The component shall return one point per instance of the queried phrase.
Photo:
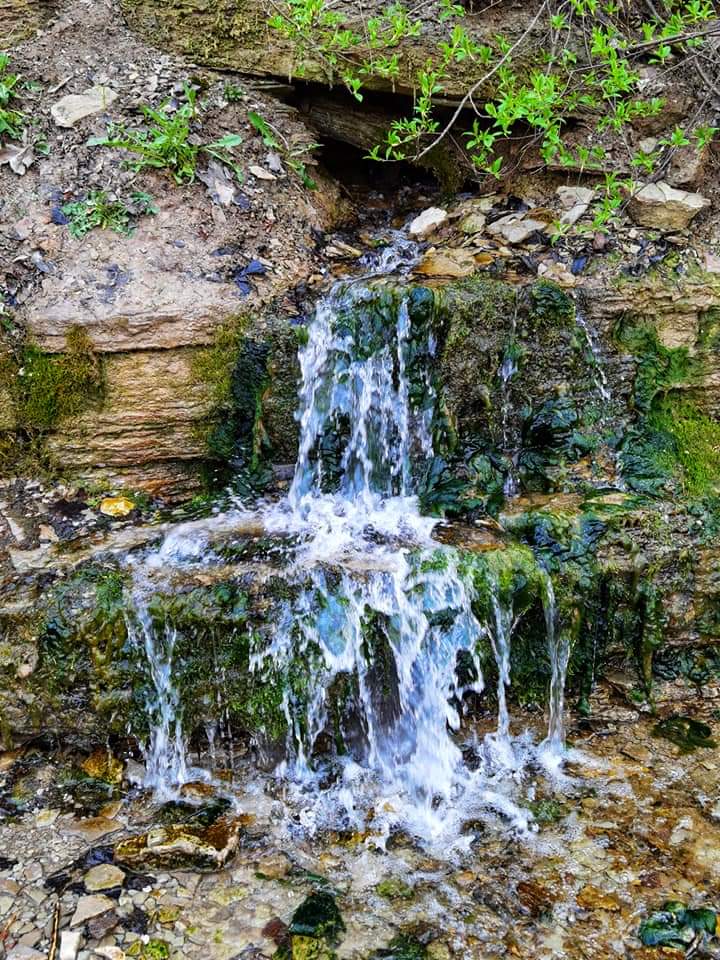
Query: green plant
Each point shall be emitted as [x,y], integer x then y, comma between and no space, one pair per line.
[97,210]
[569,62]
[168,142]
[11,120]
[294,156]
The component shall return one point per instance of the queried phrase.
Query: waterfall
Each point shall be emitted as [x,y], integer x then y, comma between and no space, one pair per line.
[376,601]
[165,752]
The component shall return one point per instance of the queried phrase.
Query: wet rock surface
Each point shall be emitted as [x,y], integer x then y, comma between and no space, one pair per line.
[629,830]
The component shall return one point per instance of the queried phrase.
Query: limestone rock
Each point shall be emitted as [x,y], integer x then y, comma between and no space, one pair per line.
[101,764]
[660,206]
[92,828]
[183,844]
[473,223]
[104,876]
[116,507]
[75,107]
[89,907]
[449,262]
[25,953]
[70,941]
[571,196]
[427,222]
[575,201]
[516,228]
[151,423]
[274,865]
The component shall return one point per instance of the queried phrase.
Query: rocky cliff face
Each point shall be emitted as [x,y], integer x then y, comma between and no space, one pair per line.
[578,382]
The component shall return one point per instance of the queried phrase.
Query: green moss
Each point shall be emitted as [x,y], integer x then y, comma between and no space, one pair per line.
[53,387]
[551,306]
[693,447]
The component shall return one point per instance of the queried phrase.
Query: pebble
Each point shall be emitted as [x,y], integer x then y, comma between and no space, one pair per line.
[70,941]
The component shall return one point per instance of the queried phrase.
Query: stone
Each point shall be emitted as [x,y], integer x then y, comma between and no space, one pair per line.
[474,223]
[92,828]
[570,197]
[427,222]
[183,844]
[46,817]
[116,507]
[26,953]
[99,927]
[110,953]
[575,201]
[75,107]
[661,207]
[274,865]
[448,262]
[101,764]
[70,941]
[261,173]
[516,228]
[104,876]
[89,907]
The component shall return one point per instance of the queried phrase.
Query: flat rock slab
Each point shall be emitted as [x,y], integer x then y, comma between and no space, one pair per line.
[92,828]
[89,907]
[448,262]
[76,106]
[179,845]
[104,876]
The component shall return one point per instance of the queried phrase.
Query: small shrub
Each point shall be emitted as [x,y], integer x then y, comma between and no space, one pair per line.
[168,143]
[96,210]
[12,121]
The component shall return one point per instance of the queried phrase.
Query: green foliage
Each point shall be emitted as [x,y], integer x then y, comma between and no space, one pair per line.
[675,925]
[12,120]
[401,947]
[522,85]
[292,155]
[97,210]
[685,732]
[168,143]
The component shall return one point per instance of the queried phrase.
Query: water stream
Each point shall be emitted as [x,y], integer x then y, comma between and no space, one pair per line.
[377,600]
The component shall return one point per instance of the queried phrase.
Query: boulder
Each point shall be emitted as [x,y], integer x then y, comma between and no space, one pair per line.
[659,206]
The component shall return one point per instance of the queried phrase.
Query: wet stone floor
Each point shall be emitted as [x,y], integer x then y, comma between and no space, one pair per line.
[91,869]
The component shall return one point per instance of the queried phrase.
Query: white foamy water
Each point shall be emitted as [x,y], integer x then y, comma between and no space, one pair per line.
[378,604]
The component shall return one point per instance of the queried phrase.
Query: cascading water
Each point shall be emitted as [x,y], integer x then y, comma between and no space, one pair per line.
[371,584]
[165,753]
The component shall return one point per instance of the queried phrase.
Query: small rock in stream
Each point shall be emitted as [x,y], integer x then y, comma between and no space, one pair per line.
[183,844]
[427,222]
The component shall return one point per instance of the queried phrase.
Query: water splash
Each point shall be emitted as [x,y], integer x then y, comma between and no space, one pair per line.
[559,653]
[376,602]
[599,375]
[165,750]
